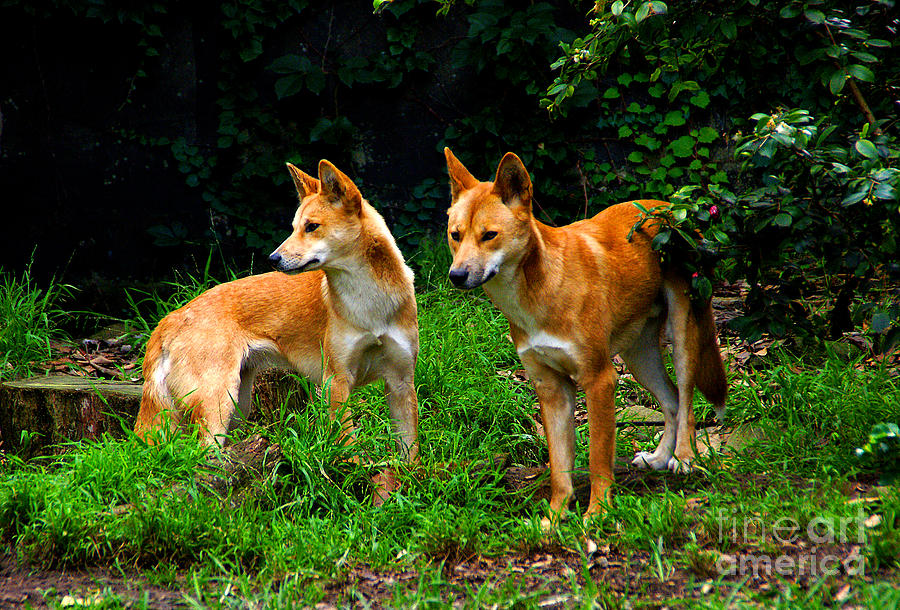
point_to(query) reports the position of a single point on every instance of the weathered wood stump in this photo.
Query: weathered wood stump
(56, 409)
(239, 470)
(52, 410)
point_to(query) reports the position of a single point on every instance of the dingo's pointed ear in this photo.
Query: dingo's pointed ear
(513, 183)
(304, 183)
(338, 188)
(460, 178)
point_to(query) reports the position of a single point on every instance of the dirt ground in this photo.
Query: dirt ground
(546, 574)
(23, 586)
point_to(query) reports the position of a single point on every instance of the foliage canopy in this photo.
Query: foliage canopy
(771, 125)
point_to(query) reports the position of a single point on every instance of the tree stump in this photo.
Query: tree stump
(240, 469)
(56, 409)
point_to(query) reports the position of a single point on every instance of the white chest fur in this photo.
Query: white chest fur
(368, 354)
(557, 353)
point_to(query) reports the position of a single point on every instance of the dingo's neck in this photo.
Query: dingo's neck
(373, 282)
(518, 287)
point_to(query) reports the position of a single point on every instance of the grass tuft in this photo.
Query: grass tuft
(29, 320)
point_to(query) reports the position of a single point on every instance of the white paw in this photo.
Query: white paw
(547, 526)
(680, 466)
(649, 461)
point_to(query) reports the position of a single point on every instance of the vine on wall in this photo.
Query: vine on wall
(778, 116)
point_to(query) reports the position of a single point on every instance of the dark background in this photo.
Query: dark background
(83, 183)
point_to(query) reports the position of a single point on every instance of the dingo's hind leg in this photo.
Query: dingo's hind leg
(645, 362)
(685, 357)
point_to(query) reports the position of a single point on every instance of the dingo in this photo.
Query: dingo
(349, 318)
(574, 297)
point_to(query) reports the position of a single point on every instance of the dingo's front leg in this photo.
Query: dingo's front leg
(400, 393)
(600, 389)
(404, 411)
(339, 391)
(556, 394)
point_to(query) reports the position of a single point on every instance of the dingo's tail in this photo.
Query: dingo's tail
(710, 374)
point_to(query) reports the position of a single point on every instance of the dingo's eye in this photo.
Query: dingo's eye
(488, 235)
(311, 227)
(454, 235)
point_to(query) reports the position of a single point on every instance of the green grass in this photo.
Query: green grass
(29, 317)
(314, 523)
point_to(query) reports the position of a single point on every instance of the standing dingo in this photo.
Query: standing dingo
(575, 296)
(349, 318)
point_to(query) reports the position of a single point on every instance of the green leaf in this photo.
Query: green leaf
(636, 157)
(766, 151)
(617, 7)
(885, 191)
(683, 146)
(253, 51)
(625, 131)
(315, 81)
(287, 64)
(643, 12)
(556, 89)
(704, 289)
(287, 86)
(729, 28)
(863, 56)
(656, 90)
(640, 207)
(682, 85)
(701, 99)
(814, 16)
(611, 93)
(836, 83)
(861, 72)
(480, 22)
(708, 135)
(880, 322)
(855, 197)
(718, 235)
(647, 141)
(674, 118)
(866, 149)
(661, 239)
(783, 220)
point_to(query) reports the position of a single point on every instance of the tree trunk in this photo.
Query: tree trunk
(39, 413)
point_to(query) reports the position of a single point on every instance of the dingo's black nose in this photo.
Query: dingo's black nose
(459, 277)
(275, 259)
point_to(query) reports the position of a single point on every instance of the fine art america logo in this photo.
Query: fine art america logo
(821, 547)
